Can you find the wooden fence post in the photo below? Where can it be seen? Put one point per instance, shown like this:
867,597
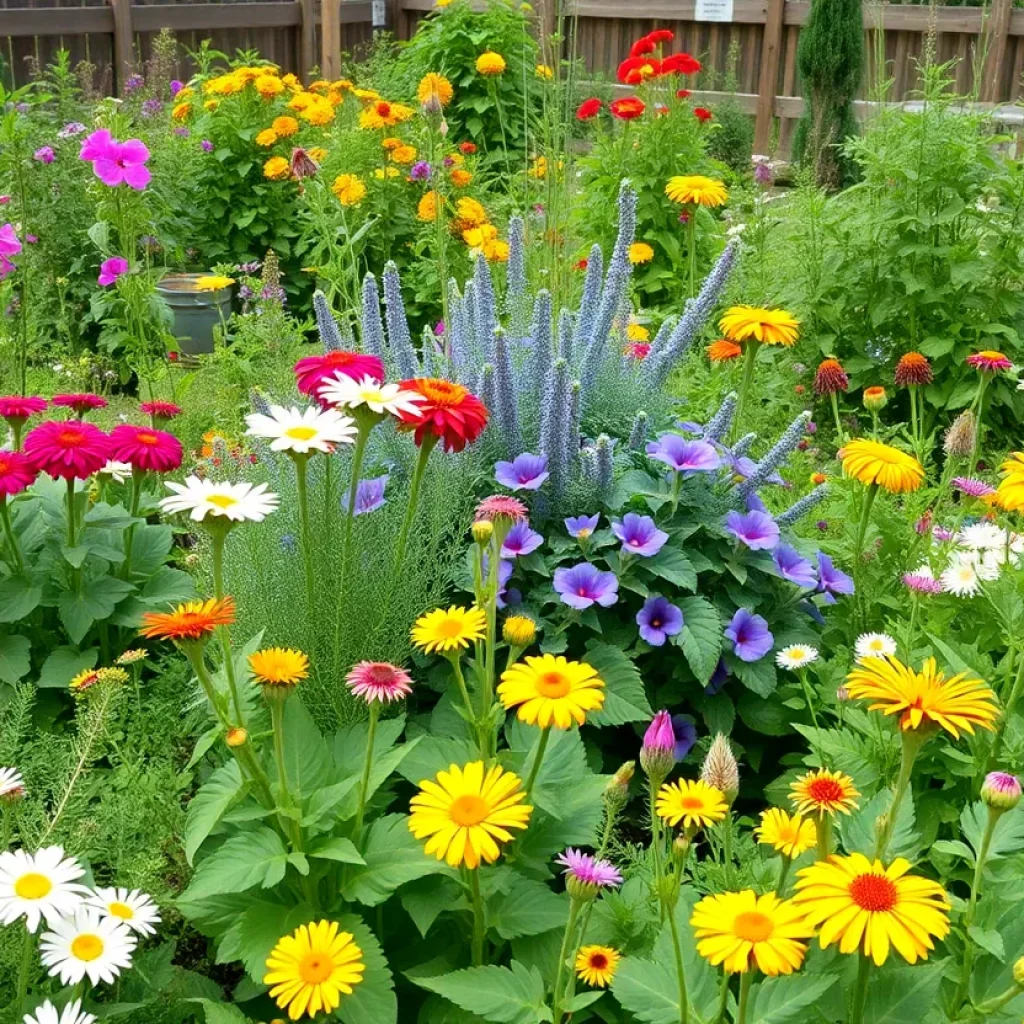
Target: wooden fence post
124,42
307,37
330,40
771,49
995,34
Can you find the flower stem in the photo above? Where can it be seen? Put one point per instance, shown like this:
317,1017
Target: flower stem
840,436
284,794
538,757
979,401
426,448
691,243
129,540
302,483
479,923
749,361
12,540
823,828
358,454
684,1008
860,992
784,866
994,814
858,545
219,538
364,782
741,1010
563,956
23,973
912,743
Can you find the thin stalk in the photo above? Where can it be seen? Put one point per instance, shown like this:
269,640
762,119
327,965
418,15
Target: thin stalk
862,529
414,495
684,1009
986,841
219,538
979,401
915,426
364,782
302,483
479,921
912,743
285,793
839,423
860,992
808,697
12,540
129,540
823,829
563,956
784,866
741,1011
1011,704
749,360
727,863
691,243
23,972
538,757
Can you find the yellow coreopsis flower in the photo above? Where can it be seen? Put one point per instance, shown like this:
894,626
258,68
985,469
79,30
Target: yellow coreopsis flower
549,690
596,965
824,792
872,462
690,802
696,190
276,168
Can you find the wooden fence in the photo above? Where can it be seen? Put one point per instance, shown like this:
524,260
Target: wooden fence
763,36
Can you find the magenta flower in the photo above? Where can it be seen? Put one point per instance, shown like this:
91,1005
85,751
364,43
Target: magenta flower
175,87
750,636
1001,791
206,145
657,753
115,162
922,584
111,270
9,243
44,155
378,681
639,535
755,529
972,486
584,585
590,870
525,473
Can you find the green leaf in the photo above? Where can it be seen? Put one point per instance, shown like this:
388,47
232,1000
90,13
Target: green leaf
19,597
373,1000
858,830
224,787
252,858
900,996
648,990
990,940
758,676
672,565
505,995
1007,836
701,638
785,1000
14,658
529,907
96,601
337,849
427,898
258,931
624,697
434,754
308,760
220,1013
63,664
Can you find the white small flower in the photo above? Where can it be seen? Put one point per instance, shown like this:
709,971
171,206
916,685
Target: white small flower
736,229
981,536
796,656
43,884
87,944
874,645
48,1014
134,909
237,502
960,577
119,472
347,393
989,564
11,783
302,430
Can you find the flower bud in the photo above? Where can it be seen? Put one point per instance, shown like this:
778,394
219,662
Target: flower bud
1001,791
482,530
584,892
875,399
960,436
680,848
236,737
720,768
1018,972
658,753
519,630
616,793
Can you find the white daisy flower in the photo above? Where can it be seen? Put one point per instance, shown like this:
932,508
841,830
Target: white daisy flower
134,909
43,884
989,564
796,656
237,502
874,645
87,945
48,1014
12,785
960,577
302,430
347,393
982,536
119,472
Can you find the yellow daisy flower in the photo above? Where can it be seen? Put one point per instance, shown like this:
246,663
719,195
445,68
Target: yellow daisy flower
825,792
872,462
693,803
277,666
596,965
1010,492
549,689
640,252
696,190
213,282
450,630
789,835
770,326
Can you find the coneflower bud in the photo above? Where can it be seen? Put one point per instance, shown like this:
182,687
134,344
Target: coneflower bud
1001,791
616,793
875,399
913,370
842,694
302,164
830,378
482,530
720,768
658,753
960,437
519,631
236,737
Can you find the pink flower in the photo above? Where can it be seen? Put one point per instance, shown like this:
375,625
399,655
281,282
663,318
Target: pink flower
111,270
145,448
160,411
989,361
9,244
16,409
313,371
500,506
44,155
80,403
16,473
96,145
115,162
378,681
70,450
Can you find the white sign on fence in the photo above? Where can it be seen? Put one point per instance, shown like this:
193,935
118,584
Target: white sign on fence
713,10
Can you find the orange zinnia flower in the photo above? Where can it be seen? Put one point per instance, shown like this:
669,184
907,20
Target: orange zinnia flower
194,620
447,411
723,350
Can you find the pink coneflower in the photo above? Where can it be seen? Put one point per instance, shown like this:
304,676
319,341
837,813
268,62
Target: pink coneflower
922,584
313,371
989,361
145,448
161,412
1001,790
70,450
972,486
588,870
80,403
17,409
500,506
941,533
16,473
378,681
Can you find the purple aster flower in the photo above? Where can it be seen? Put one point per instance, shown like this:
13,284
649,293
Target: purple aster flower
972,486
684,456
176,87
685,730
521,540
832,581
133,82
639,535
182,132
590,870
581,527
755,529
794,567
750,635
718,678
71,129
420,171
206,145
369,495
659,619
151,107
583,585
44,155
525,473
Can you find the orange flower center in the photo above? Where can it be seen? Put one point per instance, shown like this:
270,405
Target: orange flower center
468,809
70,437
315,968
339,358
5,465
753,926
553,684
449,629
875,392
442,392
87,947
147,437
914,359
598,961
825,791
990,354
874,893
691,803
383,109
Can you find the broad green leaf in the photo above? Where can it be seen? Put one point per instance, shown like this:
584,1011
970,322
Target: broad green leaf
528,907
243,861
337,849
648,990
701,638
373,1000
14,658
1007,837
434,754
224,787
504,995
19,597
989,940
63,664
260,929
307,757
427,898
672,565
758,676
900,996
859,829
220,1013
785,1000
96,601
624,697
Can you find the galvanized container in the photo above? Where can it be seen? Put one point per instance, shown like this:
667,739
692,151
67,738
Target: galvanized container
196,313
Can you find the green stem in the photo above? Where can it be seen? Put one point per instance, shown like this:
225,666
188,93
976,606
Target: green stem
12,540
806,686
915,426
858,546
860,992
979,401
76,576
994,814
684,1009
741,1010
727,862
840,436
823,828
284,790
479,922
780,885
23,972
364,782
912,743
749,360
691,242
220,537
538,757
307,540
129,540
426,448
563,956
455,659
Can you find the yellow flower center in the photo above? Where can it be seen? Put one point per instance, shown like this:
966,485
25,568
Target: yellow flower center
87,947
468,809
753,926
222,500
315,968
121,910
553,684
301,433
449,629
33,886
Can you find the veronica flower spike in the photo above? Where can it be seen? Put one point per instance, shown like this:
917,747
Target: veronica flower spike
639,535
525,472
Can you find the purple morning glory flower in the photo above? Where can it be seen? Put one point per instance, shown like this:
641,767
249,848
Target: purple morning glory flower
794,567
369,495
658,620
690,427
718,678
525,473
750,635
754,503
420,171
581,527
176,87
686,735
755,529
684,456
832,581
521,540
584,585
639,535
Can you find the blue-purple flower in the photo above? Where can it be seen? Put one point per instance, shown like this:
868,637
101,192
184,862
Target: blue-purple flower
832,581
520,540
755,529
639,535
584,585
175,87
718,678
750,636
206,146
684,456
525,473
581,527
658,620
369,495
420,171
794,567
685,731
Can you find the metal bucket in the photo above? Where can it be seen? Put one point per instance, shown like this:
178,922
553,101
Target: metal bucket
196,313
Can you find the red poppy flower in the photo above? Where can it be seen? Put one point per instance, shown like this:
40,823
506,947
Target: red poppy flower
70,449
312,371
682,94
581,264
628,108
469,148
702,113
448,412
634,70
641,46
145,448
588,109
661,35
680,64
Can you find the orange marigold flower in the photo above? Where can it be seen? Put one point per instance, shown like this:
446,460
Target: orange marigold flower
194,620
427,206
460,178
723,350
628,108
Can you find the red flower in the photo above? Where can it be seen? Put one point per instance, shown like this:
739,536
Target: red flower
702,113
16,473
581,264
628,108
469,148
634,70
680,64
146,449
913,370
172,356
830,378
19,408
643,45
448,412
661,35
80,403
161,410
682,94
638,349
71,449
588,109
312,371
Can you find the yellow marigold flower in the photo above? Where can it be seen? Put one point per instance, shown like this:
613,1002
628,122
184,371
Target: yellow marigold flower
382,114
464,813
285,126
596,965
269,86
211,105
495,251
320,85
470,213
212,282
185,94
743,932
278,666
824,792
544,71
696,190
390,142
426,209
245,75
1009,494
791,835
449,630
181,111
866,906
550,690
770,326
318,113
223,85
276,167
301,101
387,172
872,462
403,154
925,699
434,88
640,252
637,332
348,189
366,94
291,81
335,97
490,63
694,803
311,969
267,137
318,154
477,238
460,178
